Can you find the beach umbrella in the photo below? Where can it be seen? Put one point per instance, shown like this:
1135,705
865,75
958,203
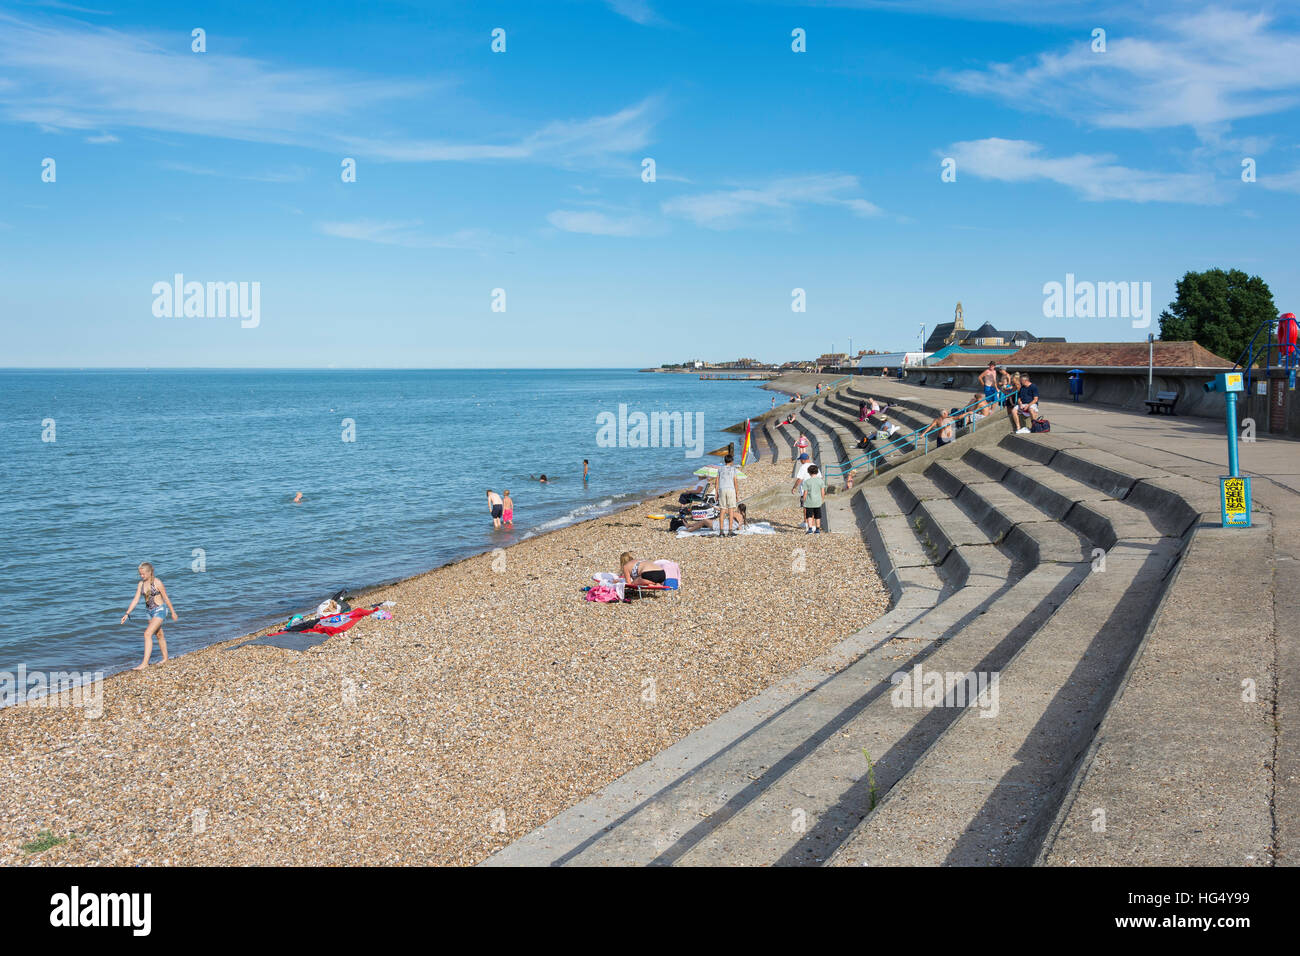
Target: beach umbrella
711,471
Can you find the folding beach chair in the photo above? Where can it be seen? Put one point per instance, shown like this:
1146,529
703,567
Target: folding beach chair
672,581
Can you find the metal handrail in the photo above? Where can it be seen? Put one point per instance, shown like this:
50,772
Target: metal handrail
1248,357
872,457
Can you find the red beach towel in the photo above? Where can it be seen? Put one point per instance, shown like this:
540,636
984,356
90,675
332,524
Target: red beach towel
333,625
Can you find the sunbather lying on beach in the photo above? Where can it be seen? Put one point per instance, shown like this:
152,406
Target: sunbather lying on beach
709,523
157,604
640,572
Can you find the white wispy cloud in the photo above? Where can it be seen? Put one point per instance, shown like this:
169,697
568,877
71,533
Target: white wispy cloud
290,174
596,140
1095,177
596,223
639,11
102,138
729,208
1288,182
1199,70
61,75
407,233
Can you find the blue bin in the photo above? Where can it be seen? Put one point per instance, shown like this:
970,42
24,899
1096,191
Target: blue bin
1076,384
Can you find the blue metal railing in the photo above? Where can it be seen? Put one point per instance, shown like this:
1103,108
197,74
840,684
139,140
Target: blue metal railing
1253,351
873,457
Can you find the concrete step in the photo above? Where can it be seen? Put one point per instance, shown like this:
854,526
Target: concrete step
835,440
802,809
1171,797
1030,534
988,789
1090,511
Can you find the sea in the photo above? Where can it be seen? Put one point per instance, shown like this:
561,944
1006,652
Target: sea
196,471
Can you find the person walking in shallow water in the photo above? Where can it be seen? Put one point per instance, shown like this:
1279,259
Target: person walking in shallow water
157,604
496,506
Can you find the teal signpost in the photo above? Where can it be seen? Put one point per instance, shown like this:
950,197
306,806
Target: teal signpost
1234,489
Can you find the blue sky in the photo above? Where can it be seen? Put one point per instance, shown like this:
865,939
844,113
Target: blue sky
522,171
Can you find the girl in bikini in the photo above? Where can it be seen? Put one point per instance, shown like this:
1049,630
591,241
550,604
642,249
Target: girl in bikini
640,572
156,604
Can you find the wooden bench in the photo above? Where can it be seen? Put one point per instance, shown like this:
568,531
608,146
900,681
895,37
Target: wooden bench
950,383
1164,401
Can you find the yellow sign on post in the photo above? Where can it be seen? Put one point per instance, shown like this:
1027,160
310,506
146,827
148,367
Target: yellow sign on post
1234,502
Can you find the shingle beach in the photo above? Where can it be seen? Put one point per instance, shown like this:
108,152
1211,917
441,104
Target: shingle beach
494,699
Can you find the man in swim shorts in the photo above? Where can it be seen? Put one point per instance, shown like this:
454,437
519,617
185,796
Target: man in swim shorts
989,379
496,505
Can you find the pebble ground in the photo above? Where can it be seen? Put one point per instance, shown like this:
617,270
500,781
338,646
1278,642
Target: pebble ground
494,699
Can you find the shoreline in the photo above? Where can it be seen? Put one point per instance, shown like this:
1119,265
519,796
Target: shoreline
493,693
358,595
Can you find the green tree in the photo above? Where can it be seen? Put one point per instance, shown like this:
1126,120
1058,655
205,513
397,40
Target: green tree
1219,309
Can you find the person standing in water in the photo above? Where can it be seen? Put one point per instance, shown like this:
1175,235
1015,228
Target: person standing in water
496,506
586,467
157,604
508,510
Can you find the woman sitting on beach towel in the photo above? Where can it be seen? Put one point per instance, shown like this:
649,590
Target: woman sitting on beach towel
640,572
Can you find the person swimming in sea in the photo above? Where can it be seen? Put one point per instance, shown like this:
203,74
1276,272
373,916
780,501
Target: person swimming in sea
157,604
542,478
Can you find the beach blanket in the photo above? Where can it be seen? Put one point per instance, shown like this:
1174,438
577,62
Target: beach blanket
319,633
754,527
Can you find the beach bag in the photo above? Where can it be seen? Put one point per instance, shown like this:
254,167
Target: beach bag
603,593
1040,425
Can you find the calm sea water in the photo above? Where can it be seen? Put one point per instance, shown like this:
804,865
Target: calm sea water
174,467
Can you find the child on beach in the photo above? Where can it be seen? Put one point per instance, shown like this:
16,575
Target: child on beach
496,506
157,604
508,510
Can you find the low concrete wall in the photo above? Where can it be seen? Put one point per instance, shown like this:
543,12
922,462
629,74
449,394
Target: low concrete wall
1125,388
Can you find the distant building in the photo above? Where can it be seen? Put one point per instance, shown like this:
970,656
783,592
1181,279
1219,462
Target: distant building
833,360
879,361
986,336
